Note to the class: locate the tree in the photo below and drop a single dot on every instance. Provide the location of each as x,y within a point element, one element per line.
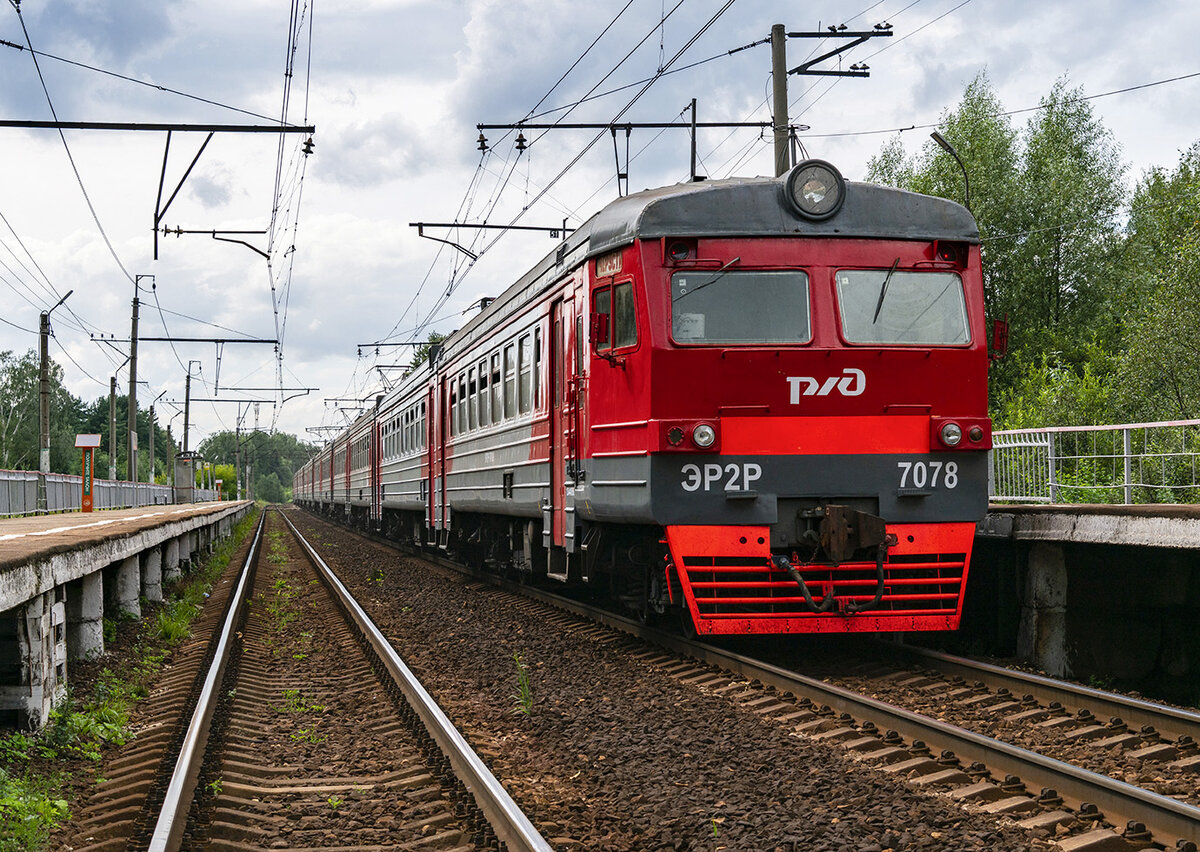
<point>421,353</point>
<point>1063,282</point>
<point>20,424</point>
<point>266,453</point>
<point>1159,376</point>
<point>94,418</point>
<point>268,488</point>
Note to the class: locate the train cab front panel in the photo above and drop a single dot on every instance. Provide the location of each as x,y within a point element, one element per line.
<point>815,448</point>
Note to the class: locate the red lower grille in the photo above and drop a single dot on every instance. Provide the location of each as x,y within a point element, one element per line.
<point>928,585</point>
<point>731,585</point>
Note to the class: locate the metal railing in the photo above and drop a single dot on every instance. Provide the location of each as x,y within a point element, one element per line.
<point>18,493</point>
<point>1120,464</point>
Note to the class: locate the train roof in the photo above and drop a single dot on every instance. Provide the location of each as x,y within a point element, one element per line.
<point>747,207</point>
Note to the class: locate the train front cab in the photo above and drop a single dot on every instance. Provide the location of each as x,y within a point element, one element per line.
<point>818,423</point>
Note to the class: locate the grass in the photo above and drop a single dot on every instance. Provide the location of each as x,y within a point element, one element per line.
<point>34,768</point>
<point>29,810</point>
<point>523,697</point>
<point>295,702</point>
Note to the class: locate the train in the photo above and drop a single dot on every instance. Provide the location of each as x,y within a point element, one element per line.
<point>759,403</point>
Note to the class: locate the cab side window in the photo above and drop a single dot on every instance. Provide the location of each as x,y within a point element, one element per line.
<point>614,317</point>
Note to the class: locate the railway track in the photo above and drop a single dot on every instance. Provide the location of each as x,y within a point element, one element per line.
<point>303,728</point>
<point>1049,755</point>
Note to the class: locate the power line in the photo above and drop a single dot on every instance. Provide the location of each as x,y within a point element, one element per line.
<point>712,20</point>
<point>66,147</point>
<point>148,85</point>
<point>1005,113</point>
<point>17,327</point>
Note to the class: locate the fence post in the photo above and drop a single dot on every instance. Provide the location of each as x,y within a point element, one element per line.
<point>1128,467</point>
<point>1050,460</point>
<point>991,458</point>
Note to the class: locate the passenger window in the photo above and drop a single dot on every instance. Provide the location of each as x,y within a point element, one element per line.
<point>472,393</point>
<point>525,362</point>
<point>462,403</point>
<point>510,380</point>
<point>497,390</point>
<point>537,367</point>
<point>485,400</point>
<point>453,408</point>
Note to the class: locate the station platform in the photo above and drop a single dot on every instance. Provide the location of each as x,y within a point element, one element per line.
<point>1146,525</point>
<point>1101,591</point>
<point>63,575</point>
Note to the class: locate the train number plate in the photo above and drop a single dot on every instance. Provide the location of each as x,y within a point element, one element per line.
<point>720,477</point>
<point>933,474</point>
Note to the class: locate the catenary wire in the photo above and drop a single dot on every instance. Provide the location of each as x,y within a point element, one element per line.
<point>712,20</point>
<point>78,178</point>
<point>123,77</point>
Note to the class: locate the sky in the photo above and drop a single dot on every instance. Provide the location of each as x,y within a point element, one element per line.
<point>395,89</point>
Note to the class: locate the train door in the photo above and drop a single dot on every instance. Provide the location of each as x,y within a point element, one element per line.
<point>437,470</point>
<point>432,423</point>
<point>376,471</point>
<point>554,506</point>
<point>562,434</point>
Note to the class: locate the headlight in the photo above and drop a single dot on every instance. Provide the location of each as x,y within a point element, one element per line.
<point>951,434</point>
<point>704,435</point>
<point>815,189</point>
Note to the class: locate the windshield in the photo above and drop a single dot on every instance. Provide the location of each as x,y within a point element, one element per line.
<point>715,307</point>
<point>890,306</point>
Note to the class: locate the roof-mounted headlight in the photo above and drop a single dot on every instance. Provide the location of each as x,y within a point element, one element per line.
<point>815,189</point>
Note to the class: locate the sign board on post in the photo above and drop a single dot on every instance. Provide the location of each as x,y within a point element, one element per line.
<point>88,444</point>
<point>220,482</point>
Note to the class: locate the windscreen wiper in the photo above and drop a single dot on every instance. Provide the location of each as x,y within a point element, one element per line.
<point>883,291</point>
<point>716,277</point>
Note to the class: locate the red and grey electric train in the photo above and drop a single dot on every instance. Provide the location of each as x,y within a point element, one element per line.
<point>761,402</point>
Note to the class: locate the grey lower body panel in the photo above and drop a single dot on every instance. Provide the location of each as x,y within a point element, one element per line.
<point>688,488</point>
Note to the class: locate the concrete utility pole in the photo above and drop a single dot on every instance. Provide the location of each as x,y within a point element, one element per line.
<point>132,418</point>
<point>187,405</point>
<point>112,427</point>
<point>237,457</point>
<point>150,478</point>
<point>779,84</point>
<point>44,405</point>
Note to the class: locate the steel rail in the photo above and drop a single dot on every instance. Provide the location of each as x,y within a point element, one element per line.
<point>1135,712</point>
<point>511,825</point>
<point>172,816</point>
<point>1167,819</point>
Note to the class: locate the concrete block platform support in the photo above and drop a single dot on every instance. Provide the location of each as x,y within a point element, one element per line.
<point>85,617</point>
<point>60,576</point>
<point>121,594</point>
<point>36,632</point>
<point>1042,636</point>
<point>171,571</point>
<point>152,575</point>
